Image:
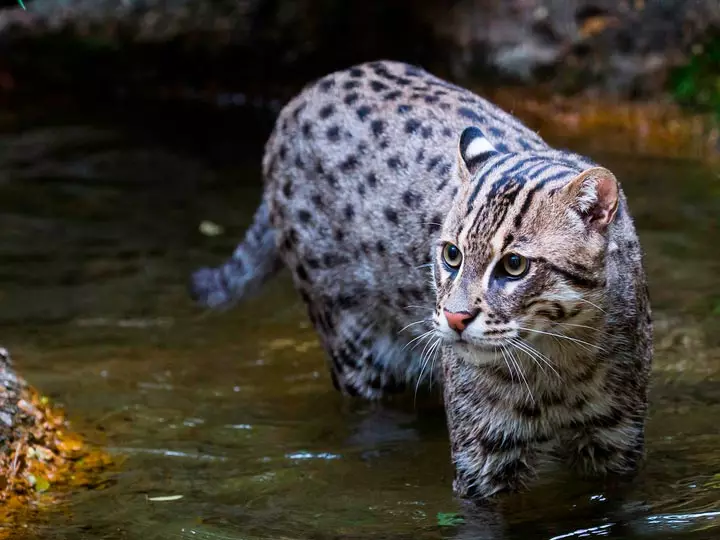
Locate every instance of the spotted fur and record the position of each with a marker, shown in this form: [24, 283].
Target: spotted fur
[369, 172]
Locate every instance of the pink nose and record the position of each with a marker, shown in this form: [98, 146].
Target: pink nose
[459, 320]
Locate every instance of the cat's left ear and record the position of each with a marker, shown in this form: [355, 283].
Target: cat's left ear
[594, 194]
[473, 150]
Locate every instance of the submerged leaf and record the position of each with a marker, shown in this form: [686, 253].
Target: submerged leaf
[714, 482]
[208, 228]
[449, 519]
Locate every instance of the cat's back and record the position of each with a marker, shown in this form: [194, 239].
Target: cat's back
[385, 123]
[373, 147]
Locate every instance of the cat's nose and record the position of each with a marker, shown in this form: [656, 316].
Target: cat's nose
[459, 320]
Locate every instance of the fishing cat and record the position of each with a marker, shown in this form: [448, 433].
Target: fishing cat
[411, 211]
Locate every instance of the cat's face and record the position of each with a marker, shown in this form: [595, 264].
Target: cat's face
[522, 252]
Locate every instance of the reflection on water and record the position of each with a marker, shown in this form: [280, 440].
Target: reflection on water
[235, 412]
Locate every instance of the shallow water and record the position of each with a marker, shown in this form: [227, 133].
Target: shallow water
[235, 411]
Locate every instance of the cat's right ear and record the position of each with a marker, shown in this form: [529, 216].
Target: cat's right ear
[473, 150]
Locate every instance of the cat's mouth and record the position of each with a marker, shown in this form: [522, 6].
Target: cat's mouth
[485, 345]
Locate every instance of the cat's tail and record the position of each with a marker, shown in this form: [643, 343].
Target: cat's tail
[254, 261]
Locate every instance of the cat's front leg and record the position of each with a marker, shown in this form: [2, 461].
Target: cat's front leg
[482, 472]
[612, 450]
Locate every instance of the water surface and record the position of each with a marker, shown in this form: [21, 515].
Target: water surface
[235, 411]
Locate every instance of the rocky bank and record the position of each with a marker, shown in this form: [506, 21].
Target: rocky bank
[623, 48]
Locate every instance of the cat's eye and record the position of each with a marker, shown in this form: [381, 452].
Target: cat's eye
[451, 256]
[514, 265]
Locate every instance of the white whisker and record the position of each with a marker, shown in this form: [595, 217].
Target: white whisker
[417, 307]
[431, 357]
[438, 349]
[574, 325]
[593, 305]
[512, 373]
[412, 324]
[533, 358]
[519, 368]
[424, 364]
[598, 331]
[425, 349]
[533, 352]
[562, 336]
[421, 336]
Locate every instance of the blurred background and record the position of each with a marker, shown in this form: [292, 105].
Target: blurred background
[130, 141]
[625, 48]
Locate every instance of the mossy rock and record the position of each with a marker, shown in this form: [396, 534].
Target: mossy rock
[38, 452]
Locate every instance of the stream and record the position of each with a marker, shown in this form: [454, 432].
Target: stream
[228, 422]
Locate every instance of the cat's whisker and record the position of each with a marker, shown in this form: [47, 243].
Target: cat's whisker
[432, 353]
[421, 336]
[519, 368]
[560, 344]
[426, 265]
[511, 365]
[425, 349]
[574, 325]
[532, 358]
[427, 337]
[512, 372]
[592, 304]
[424, 363]
[436, 354]
[542, 320]
[411, 306]
[413, 324]
[561, 336]
[534, 353]
[598, 332]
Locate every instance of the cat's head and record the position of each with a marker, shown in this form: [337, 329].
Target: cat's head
[522, 250]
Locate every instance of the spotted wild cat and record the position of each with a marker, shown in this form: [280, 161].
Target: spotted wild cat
[409, 209]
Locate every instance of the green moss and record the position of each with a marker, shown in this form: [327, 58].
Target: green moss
[697, 84]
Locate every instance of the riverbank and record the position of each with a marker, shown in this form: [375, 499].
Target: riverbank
[40, 457]
[622, 48]
[659, 128]
[590, 69]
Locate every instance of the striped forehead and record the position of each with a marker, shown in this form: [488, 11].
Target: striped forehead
[507, 186]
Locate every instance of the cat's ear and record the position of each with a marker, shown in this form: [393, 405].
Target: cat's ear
[473, 150]
[594, 194]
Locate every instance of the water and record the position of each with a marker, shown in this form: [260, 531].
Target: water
[235, 411]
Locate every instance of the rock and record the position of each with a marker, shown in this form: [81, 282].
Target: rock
[11, 393]
[37, 450]
[621, 47]
[625, 48]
